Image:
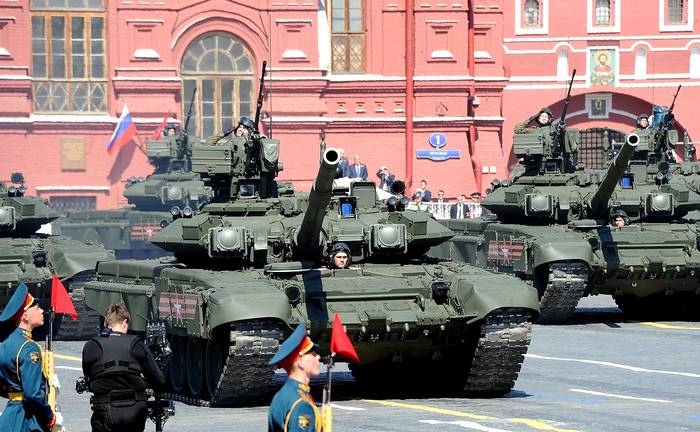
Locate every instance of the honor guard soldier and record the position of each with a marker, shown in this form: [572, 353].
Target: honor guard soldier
[114, 365]
[292, 408]
[21, 377]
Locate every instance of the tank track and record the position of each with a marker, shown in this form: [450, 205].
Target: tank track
[565, 287]
[499, 354]
[85, 327]
[246, 379]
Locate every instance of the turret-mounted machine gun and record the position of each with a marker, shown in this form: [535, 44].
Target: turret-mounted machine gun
[174, 152]
[240, 167]
[550, 149]
[657, 142]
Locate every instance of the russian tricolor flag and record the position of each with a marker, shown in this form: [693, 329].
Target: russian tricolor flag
[123, 133]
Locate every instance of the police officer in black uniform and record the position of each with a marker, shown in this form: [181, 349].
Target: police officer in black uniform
[115, 365]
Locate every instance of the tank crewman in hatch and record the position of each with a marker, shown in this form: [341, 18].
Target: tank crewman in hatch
[114, 364]
[293, 408]
[619, 219]
[642, 123]
[21, 377]
[244, 128]
[544, 120]
[339, 258]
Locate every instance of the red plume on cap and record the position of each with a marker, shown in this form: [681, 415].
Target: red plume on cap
[340, 342]
[60, 300]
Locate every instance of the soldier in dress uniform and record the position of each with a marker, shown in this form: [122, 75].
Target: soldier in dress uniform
[293, 408]
[21, 377]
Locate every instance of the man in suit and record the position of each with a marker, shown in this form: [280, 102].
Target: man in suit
[357, 170]
[441, 197]
[422, 195]
[459, 210]
[342, 164]
[386, 178]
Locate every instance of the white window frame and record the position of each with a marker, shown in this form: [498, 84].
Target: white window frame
[520, 30]
[616, 18]
[663, 27]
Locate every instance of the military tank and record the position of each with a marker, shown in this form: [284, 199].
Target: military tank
[550, 227]
[250, 265]
[32, 258]
[128, 231]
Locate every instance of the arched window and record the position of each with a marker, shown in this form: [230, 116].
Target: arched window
[220, 67]
[602, 12]
[531, 15]
[695, 62]
[563, 65]
[640, 63]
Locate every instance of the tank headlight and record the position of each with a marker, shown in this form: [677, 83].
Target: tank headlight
[187, 212]
[175, 212]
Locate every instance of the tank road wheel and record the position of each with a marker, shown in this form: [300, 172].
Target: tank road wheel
[177, 366]
[500, 351]
[195, 366]
[215, 361]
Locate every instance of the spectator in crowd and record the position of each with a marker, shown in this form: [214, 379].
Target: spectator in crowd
[460, 210]
[386, 178]
[342, 164]
[422, 195]
[441, 197]
[357, 170]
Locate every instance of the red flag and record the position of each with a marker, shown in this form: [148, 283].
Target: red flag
[157, 134]
[60, 300]
[340, 342]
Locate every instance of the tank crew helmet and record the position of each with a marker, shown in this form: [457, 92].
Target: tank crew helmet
[245, 121]
[293, 348]
[620, 214]
[545, 110]
[338, 248]
[19, 303]
[641, 117]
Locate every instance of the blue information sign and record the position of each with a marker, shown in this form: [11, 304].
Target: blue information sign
[437, 139]
[438, 155]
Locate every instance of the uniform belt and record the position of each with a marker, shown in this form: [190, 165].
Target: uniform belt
[15, 396]
[119, 395]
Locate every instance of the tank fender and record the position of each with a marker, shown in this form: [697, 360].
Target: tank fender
[481, 297]
[264, 301]
[73, 258]
[546, 251]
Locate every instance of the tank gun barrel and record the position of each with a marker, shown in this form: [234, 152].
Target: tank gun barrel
[614, 172]
[308, 234]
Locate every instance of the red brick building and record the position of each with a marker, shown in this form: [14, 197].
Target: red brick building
[67, 68]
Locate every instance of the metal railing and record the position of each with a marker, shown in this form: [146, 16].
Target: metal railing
[442, 210]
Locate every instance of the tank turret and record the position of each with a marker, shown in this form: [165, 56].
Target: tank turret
[22, 215]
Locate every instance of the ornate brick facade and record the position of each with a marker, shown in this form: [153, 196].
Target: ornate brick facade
[328, 71]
